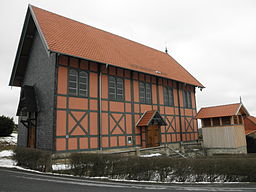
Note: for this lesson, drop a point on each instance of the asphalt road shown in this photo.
(15, 180)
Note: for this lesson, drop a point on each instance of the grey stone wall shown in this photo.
(40, 74)
(235, 151)
(22, 136)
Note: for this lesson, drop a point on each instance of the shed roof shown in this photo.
(27, 101)
(248, 132)
(69, 37)
(250, 124)
(252, 119)
(221, 111)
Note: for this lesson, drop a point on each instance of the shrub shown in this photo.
(165, 169)
(32, 158)
(6, 125)
(92, 164)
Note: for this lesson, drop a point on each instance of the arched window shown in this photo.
(115, 88)
(119, 89)
(142, 92)
(148, 93)
(145, 92)
(83, 83)
(187, 99)
(112, 88)
(72, 82)
(168, 96)
(78, 83)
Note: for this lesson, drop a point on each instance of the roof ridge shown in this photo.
(162, 52)
(220, 105)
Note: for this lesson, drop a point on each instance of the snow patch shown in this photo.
(6, 153)
(12, 140)
(7, 163)
(58, 167)
(151, 155)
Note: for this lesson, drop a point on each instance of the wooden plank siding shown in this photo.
(231, 136)
(77, 120)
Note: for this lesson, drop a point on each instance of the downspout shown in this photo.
(178, 90)
(100, 106)
(196, 110)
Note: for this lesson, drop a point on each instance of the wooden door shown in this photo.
(153, 136)
(32, 137)
(32, 130)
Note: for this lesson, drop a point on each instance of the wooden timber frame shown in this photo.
(83, 125)
(27, 111)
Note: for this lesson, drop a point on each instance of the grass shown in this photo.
(6, 146)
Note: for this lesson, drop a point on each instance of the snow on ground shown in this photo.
(6, 153)
(12, 140)
(5, 160)
(151, 155)
(58, 167)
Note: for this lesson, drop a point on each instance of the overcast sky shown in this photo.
(215, 40)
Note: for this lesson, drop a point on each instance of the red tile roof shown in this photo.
(252, 119)
(218, 111)
(248, 132)
(145, 119)
(66, 36)
(249, 124)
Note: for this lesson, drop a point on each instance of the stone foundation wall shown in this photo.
(235, 151)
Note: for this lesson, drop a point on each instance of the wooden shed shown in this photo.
(223, 128)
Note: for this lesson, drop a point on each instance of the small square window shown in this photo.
(129, 140)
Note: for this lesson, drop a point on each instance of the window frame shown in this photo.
(78, 82)
(168, 98)
(187, 100)
(82, 83)
(226, 120)
(116, 96)
(147, 92)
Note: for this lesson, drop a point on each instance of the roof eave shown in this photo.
(66, 54)
(138, 122)
(18, 53)
(39, 30)
(246, 111)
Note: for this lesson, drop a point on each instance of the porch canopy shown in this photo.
(27, 101)
(151, 118)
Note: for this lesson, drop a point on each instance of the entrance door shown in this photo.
(153, 136)
(32, 137)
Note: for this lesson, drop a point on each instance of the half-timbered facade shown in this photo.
(97, 91)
